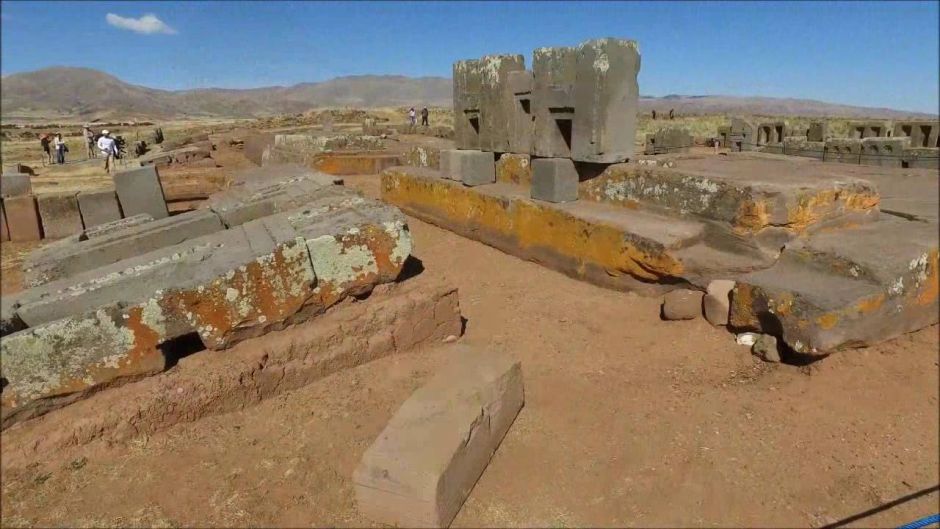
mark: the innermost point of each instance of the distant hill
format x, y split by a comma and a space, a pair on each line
84, 93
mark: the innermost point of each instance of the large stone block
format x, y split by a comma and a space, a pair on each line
99, 207
140, 191
15, 184
514, 169
668, 140
554, 180
521, 133
468, 85
473, 168
818, 131
606, 99
498, 105
121, 242
22, 218
422, 467
884, 152
60, 215
554, 73
108, 228
4, 231
859, 130
923, 134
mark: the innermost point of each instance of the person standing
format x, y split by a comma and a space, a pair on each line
89, 142
46, 143
411, 116
59, 149
424, 116
108, 149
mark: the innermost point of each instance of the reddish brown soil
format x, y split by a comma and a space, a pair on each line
629, 421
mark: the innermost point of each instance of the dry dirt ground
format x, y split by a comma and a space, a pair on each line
628, 421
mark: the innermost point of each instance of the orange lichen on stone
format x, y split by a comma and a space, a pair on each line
514, 169
828, 320
752, 216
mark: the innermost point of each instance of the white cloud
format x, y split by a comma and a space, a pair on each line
147, 24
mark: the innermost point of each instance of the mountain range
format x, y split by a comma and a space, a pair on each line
84, 93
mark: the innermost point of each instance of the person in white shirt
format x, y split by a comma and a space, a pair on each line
108, 149
60, 148
411, 116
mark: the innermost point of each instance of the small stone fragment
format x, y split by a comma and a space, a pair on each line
682, 304
717, 301
765, 347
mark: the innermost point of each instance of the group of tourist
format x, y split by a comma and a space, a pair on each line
54, 147
412, 116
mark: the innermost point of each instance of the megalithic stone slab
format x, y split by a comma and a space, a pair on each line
422, 467
520, 86
22, 218
473, 168
4, 232
15, 184
497, 103
60, 215
606, 97
99, 207
140, 191
554, 180
468, 84
554, 72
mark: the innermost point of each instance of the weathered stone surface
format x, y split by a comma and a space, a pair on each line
818, 131
921, 158
424, 464
257, 147
304, 149
497, 103
554, 180
472, 167
606, 99
520, 84
717, 301
120, 242
468, 87
107, 228
98, 207
885, 152
742, 135
668, 140
22, 218
554, 72
923, 134
422, 156
868, 129
60, 215
682, 304
766, 348
140, 191
15, 184
514, 169
344, 163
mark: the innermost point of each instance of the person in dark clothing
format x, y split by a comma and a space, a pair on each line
424, 116
46, 141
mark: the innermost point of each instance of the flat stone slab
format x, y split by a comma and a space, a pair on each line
15, 184
422, 467
60, 215
22, 218
98, 207
140, 191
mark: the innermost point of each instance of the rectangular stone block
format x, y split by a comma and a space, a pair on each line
514, 169
99, 207
554, 180
859, 130
15, 184
606, 101
668, 140
497, 103
422, 467
257, 147
473, 168
140, 191
4, 232
60, 215
468, 79
120, 242
884, 152
521, 133
554, 73
449, 167
923, 134
818, 131
22, 218
843, 150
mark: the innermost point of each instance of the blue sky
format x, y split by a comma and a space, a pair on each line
868, 53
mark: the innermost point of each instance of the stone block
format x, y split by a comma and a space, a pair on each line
818, 131
606, 101
450, 164
521, 133
668, 140
118, 242
514, 169
4, 231
717, 301
60, 215
554, 73
108, 228
921, 158
473, 167
554, 180
682, 304
15, 184
923, 134
99, 207
498, 107
468, 85
19, 168
883, 152
22, 218
859, 130
422, 467
140, 191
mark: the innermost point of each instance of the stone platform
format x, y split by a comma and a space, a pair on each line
817, 263
265, 254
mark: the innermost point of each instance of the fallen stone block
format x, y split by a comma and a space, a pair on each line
554, 180
717, 301
258, 199
98, 207
422, 467
682, 304
139, 191
60, 215
108, 228
115, 243
15, 184
22, 218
